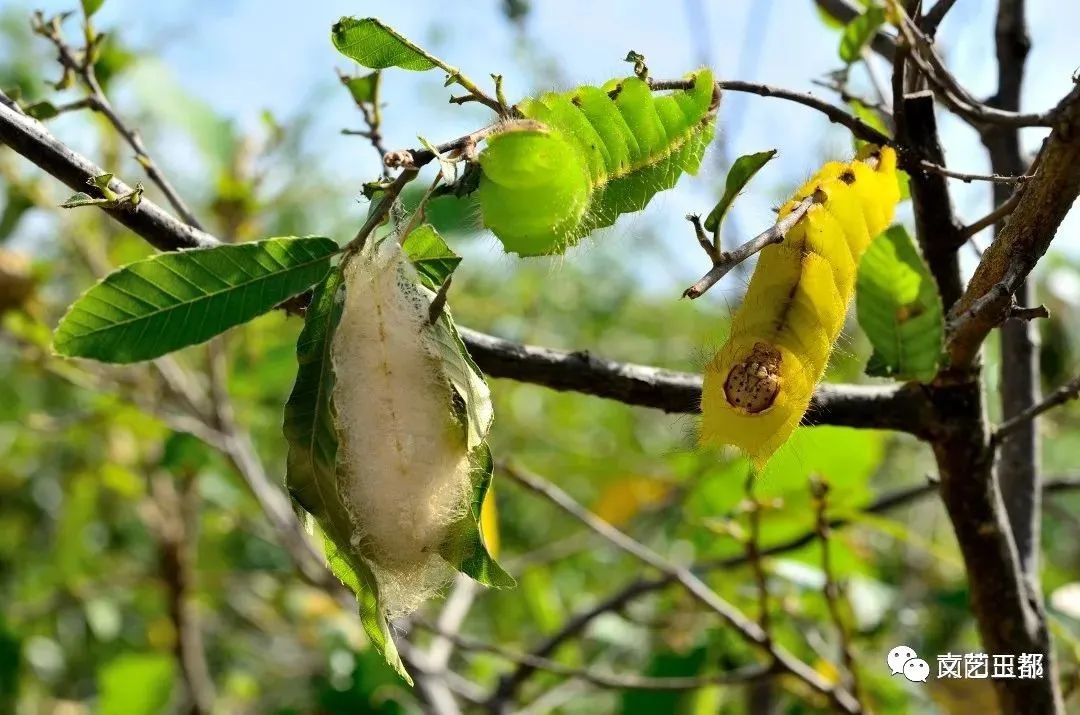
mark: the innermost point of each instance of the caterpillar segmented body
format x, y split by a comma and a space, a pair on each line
758, 386
581, 159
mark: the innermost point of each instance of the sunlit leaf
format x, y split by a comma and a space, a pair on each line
171, 300
372, 44
858, 32
430, 255
899, 309
742, 170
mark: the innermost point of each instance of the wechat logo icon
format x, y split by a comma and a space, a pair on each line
903, 660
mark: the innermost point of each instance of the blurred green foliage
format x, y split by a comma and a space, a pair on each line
85, 622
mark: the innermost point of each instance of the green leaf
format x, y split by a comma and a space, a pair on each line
311, 473
464, 546
363, 89
899, 308
466, 378
136, 684
152, 307
91, 6
377, 46
82, 199
42, 110
738, 177
430, 255
858, 32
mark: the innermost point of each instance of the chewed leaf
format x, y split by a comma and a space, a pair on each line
311, 431
581, 159
742, 170
899, 308
171, 300
430, 255
377, 46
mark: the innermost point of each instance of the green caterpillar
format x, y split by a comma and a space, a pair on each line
581, 159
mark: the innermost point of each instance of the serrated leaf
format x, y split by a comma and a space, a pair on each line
858, 32
152, 307
91, 6
899, 308
377, 46
430, 255
363, 89
311, 474
742, 170
464, 546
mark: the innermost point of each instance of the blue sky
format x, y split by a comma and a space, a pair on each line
244, 56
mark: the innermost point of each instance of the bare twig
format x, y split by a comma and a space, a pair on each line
819, 490
372, 113
640, 587
729, 259
175, 519
1024, 238
967, 178
710, 246
1066, 393
603, 680
99, 102
753, 551
996, 216
752, 632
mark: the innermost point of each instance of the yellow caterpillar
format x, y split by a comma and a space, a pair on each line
758, 386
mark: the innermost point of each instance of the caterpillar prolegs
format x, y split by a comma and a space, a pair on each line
758, 386
580, 159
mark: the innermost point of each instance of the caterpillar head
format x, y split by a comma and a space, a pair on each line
753, 384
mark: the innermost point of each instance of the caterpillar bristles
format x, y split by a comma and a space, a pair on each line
758, 386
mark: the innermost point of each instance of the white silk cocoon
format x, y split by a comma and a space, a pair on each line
404, 466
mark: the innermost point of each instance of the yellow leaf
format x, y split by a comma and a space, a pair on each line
621, 501
489, 524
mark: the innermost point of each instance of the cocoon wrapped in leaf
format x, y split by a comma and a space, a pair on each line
758, 386
404, 468
581, 159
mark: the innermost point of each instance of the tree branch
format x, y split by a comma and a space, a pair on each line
33, 141
1024, 238
750, 631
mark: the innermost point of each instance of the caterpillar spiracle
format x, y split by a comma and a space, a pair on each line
581, 159
758, 386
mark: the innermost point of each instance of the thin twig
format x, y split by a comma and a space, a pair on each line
617, 681
729, 259
819, 490
372, 114
99, 102
967, 178
993, 217
753, 551
1066, 393
640, 587
709, 245
752, 632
